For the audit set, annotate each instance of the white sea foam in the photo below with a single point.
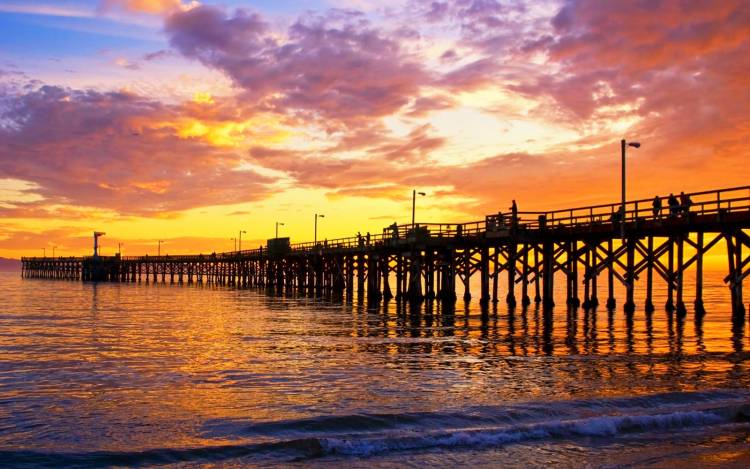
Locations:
(590, 427)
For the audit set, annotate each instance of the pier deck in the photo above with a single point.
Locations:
(527, 250)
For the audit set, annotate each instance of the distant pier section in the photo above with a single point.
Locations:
(650, 243)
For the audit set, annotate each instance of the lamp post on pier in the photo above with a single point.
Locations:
(235, 243)
(239, 241)
(624, 145)
(53, 250)
(278, 223)
(315, 237)
(414, 205)
(119, 249)
(158, 248)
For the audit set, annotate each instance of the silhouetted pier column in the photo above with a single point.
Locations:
(484, 273)
(548, 275)
(681, 310)
(525, 300)
(587, 278)
(405, 275)
(594, 277)
(373, 278)
(510, 298)
(360, 274)
(448, 277)
(630, 276)
(349, 276)
(537, 274)
(467, 273)
(429, 274)
(734, 257)
(611, 303)
(339, 273)
(669, 306)
(699, 308)
(576, 301)
(415, 277)
(386, 272)
(495, 273)
(399, 276)
(649, 305)
(571, 265)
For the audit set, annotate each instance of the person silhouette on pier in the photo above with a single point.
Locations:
(617, 216)
(656, 206)
(685, 203)
(674, 205)
(394, 230)
(514, 213)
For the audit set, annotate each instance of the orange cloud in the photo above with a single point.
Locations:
(111, 150)
(147, 6)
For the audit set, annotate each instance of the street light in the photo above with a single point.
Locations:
(277, 228)
(624, 144)
(119, 249)
(235, 243)
(239, 243)
(53, 250)
(97, 235)
(158, 249)
(414, 205)
(315, 238)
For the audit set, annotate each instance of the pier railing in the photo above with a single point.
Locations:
(713, 202)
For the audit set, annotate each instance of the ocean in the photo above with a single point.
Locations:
(98, 375)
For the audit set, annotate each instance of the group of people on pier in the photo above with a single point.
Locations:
(676, 207)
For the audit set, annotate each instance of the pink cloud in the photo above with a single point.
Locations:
(115, 151)
(683, 67)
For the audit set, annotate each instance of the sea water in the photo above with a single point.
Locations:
(155, 374)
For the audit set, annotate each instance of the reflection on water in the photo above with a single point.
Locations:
(129, 367)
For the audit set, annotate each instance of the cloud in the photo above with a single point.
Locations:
(46, 10)
(117, 151)
(334, 66)
(146, 6)
(369, 100)
(157, 55)
(679, 70)
(125, 63)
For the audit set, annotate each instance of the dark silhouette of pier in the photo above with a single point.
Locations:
(584, 246)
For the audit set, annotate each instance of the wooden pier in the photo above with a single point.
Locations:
(527, 251)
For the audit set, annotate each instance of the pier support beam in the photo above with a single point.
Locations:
(484, 272)
(680, 274)
(699, 307)
(669, 306)
(649, 305)
(630, 276)
(548, 275)
(611, 303)
(510, 298)
(734, 279)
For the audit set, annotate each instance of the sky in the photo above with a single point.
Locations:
(191, 121)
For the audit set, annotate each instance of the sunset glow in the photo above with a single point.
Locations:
(188, 121)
